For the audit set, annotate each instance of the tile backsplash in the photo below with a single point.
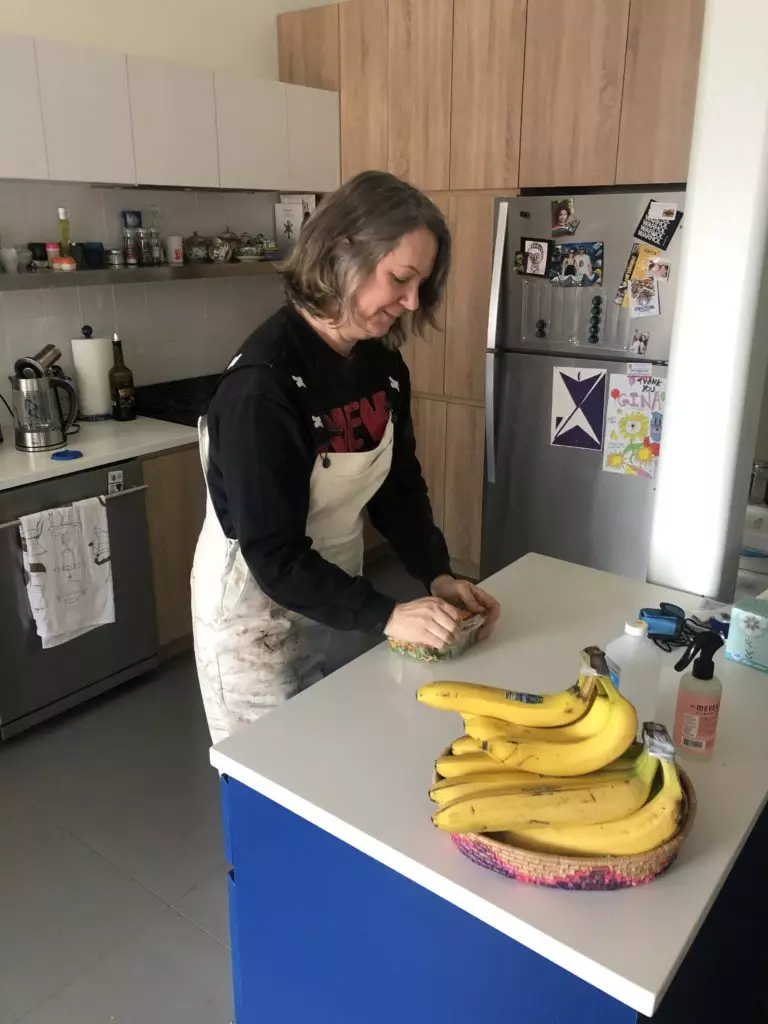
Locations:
(170, 329)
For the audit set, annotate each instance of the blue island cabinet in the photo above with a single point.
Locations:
(323, 934)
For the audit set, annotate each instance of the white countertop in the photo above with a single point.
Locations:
(354, 755)
(100, 443)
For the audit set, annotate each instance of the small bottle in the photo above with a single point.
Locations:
(64, 236)
(121, 385)
(634, 662)
(698, 698)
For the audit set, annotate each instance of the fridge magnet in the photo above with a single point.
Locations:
(633, 424)
(662, 211)
(577, 264)
(658, 231)
(644, 297)
(538, 253)
(564, 219)
(639, 343)
(578, 407)
(519, 264)
(622, 292)
(659, 268)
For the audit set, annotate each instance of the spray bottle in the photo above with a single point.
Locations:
(698, 698)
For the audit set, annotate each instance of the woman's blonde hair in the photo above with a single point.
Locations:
(341, 244)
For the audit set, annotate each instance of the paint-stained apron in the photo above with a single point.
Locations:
(251, 653)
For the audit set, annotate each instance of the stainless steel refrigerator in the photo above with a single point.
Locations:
(541, 494)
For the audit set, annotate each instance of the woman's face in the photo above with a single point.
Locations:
(393, 287)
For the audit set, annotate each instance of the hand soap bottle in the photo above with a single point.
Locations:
(698, 698)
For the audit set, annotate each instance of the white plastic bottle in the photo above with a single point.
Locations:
(634, 662)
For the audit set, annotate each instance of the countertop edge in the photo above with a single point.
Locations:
(641, 999)
(139, 448)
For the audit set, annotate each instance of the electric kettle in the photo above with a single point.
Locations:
(38, 420)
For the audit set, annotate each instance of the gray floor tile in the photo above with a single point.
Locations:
(62, 906)
(129, 776)
(207, 906)
(170, 973)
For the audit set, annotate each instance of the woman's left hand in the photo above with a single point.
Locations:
(475, 600)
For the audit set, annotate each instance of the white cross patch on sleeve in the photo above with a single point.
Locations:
(299, 382)
(317, 423)
(394, 383)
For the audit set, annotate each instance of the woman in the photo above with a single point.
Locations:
(310, 425)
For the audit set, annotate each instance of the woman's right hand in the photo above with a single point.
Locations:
(428, 621)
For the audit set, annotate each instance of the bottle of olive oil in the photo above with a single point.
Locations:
(121, 385)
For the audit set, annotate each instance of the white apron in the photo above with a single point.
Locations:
(251, 653)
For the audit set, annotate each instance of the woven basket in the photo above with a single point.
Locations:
(559, 871)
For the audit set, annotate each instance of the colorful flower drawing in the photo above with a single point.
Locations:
(633, 425)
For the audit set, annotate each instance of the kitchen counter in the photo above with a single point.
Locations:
(353, 757)
(101, 443)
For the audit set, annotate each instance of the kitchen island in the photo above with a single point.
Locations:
(346, 904)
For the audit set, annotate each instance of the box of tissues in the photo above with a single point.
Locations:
(748, 633)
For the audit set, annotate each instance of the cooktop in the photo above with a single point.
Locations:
(179, 401)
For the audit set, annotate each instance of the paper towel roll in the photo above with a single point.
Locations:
(93, 361)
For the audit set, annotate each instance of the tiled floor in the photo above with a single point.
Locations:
(112, 876)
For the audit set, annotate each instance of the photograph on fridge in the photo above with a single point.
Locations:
(564, 219)
(576, 264)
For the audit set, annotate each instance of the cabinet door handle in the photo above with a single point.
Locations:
(499, 245)
(108, 497)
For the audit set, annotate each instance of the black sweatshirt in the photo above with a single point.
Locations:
(286, 398)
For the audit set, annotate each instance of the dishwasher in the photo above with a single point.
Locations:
(36, 684)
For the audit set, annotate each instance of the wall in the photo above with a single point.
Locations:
(239, 35)
(170, 329)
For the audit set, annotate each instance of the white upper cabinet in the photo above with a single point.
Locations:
(313, 139)
(174, 123)
(22, 148)
(252, 123)
(86, 112)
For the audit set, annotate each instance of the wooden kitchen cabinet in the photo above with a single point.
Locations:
(419, 51)
(173, 112)
(86, 111)
(425, 357)
(487, 94)
(22, 153)
(313, 139)
(308, 47)
(471, 222)
(429, 419)
(363, 63)
(252, 128)
(574, 69)
(662, 71)
(463, 513)
(175, 502)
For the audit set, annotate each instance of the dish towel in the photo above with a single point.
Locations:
(67, 569)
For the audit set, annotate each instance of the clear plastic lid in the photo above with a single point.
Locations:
(636, 628)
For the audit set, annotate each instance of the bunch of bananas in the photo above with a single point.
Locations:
(557, 774)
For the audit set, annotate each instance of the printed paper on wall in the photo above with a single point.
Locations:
(578, 407)
(633, 424)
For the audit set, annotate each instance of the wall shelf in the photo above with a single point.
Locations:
(133, 275)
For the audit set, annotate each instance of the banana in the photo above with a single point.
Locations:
(650, 826)
(519, 708)
(465, 745)
(471, 784)
(568, 802)
(579, 756)
(482, 728)
(451, 766)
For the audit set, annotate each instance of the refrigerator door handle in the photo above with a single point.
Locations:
(490, 417)
(499, 245)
